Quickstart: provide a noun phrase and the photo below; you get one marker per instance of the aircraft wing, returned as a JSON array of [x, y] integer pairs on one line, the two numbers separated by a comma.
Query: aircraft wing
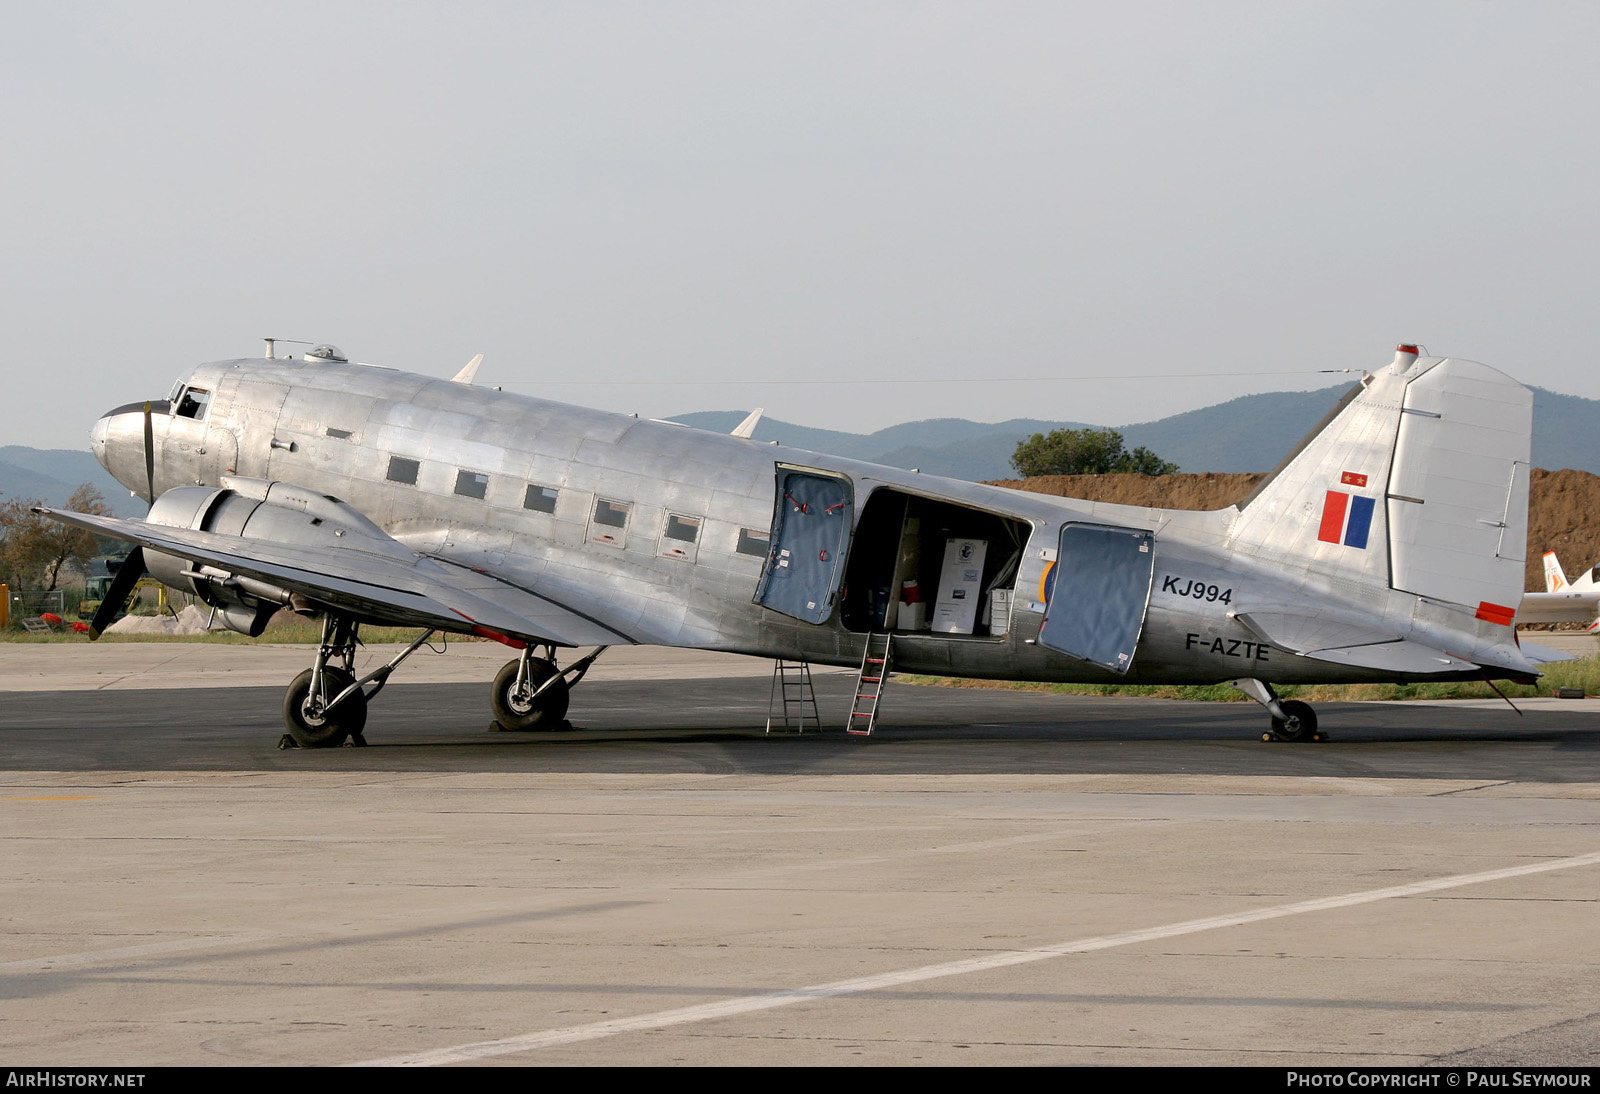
[[1570, 605], [401, 587]]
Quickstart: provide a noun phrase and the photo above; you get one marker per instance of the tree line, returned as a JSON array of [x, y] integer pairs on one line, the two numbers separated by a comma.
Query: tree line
[[35, 551], [1085, 452]]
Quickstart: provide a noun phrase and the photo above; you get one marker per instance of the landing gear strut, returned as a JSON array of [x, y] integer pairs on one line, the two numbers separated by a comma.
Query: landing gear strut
[[1292, 720], [326, 704], [532, 692]]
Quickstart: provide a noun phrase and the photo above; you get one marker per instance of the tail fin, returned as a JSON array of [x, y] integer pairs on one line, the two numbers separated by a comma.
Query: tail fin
[[1418, 482], [1554, 579]]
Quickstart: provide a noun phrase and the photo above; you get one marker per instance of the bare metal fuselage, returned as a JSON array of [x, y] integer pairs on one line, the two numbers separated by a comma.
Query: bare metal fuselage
[[336, 429]]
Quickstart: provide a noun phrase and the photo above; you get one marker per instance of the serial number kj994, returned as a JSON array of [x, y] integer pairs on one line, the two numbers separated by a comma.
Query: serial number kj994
[[1188, 586]]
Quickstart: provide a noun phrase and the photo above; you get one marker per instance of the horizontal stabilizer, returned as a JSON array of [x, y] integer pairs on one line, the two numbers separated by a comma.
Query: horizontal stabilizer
[[1407, 657], [1544, 655], [1304, 633], [1348, 643]]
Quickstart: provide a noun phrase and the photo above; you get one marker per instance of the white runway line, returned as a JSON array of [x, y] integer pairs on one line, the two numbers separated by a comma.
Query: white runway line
[[123, 953], [704, 1012]]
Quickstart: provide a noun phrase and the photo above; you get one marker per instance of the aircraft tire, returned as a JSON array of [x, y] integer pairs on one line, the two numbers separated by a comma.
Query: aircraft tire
[[1301, 724], [328, 731], [549, 713]]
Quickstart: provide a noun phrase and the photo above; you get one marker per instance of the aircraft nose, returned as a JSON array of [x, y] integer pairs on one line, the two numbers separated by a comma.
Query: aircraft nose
[[117, 440]]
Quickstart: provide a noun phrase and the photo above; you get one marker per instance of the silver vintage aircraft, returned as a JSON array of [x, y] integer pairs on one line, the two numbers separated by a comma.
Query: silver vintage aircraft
[[1388, 547]]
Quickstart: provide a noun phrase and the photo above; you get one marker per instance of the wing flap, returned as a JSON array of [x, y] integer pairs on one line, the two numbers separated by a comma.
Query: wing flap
[[413, 590]]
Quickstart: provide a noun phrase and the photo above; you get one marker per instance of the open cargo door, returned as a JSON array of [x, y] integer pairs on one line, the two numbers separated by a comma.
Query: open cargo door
[[1096, 608]]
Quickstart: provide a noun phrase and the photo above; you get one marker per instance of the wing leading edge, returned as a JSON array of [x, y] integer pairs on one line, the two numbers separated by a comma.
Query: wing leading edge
[[409, 591]]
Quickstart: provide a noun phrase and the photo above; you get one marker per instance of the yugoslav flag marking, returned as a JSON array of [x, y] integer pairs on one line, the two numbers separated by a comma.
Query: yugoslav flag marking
[[1346, 519]]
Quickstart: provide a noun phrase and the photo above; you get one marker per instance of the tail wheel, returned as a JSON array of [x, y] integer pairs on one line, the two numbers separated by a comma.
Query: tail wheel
[[519, 711], [1300, 725], [309, 724]]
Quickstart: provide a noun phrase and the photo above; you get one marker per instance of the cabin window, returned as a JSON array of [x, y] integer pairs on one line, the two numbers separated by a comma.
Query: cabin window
[[472, 484], [610, 523], [753, 542], [684, 529], [678, 538], [338, 434], [192, 403], [541, 499], [612, 514], [403, 470]]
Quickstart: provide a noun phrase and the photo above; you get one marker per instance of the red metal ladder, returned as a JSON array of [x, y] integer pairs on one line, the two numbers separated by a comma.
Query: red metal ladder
[[874, 673]]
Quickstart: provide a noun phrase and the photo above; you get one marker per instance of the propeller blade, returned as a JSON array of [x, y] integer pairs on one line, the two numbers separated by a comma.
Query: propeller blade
[[117, 595], [149, 456]]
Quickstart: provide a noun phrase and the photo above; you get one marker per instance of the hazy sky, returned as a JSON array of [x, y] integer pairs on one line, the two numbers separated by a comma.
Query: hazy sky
[[678, 192]]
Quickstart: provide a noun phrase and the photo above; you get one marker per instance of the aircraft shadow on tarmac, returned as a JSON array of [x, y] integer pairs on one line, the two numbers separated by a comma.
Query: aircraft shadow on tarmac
[[718, 726]]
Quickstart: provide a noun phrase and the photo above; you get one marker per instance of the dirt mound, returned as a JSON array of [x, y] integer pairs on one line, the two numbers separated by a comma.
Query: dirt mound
[[1211, 490], [190, 621], [1563, 506]]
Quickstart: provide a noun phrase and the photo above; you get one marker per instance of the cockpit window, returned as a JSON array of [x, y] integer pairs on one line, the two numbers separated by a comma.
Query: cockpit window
[[177, 386], [192, 404]]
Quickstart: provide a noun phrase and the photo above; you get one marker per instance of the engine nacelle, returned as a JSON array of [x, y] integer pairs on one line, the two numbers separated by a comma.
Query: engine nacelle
[[254, 509]]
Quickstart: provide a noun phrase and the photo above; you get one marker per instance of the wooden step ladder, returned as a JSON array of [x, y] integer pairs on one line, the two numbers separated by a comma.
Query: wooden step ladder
[[791, 695], [874, 674]]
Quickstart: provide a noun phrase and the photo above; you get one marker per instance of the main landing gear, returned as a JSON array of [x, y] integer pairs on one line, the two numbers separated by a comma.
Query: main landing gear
[[1292, 720], [532, 692], [326, 704]]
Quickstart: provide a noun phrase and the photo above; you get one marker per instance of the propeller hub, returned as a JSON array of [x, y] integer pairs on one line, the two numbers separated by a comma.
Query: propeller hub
[[118, 440]]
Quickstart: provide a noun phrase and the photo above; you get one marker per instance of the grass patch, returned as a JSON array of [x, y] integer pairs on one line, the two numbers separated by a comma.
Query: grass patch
[[1584, 673]]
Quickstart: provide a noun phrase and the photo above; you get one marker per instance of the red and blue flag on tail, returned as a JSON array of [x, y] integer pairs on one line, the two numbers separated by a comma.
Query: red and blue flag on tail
[[1346, 518]]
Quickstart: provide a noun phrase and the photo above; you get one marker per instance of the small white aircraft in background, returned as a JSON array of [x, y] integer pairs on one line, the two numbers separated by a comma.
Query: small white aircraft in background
[[1563, 601]]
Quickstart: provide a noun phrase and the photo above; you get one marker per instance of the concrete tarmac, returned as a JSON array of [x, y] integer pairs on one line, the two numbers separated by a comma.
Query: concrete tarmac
[[993, 877]]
